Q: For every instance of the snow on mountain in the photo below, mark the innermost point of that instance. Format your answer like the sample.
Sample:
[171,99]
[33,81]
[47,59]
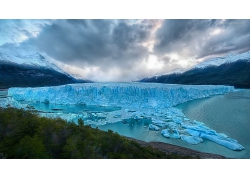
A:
[223,60]
[174,71]
[31,59]
[210,62]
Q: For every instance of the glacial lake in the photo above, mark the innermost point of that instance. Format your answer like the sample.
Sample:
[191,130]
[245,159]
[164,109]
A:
[228,114]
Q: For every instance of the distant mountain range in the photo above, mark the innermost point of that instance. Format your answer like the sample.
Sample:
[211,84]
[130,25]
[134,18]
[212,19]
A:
[31,70]
[229,70]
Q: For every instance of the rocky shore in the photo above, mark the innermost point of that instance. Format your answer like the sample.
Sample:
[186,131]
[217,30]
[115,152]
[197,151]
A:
[173,149]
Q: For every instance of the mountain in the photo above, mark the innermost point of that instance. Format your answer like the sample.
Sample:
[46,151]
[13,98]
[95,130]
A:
[79,78]
[224,60]
[229,70]
[30,70]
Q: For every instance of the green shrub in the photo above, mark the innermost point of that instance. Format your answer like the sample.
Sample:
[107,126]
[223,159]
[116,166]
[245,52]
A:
[23,134]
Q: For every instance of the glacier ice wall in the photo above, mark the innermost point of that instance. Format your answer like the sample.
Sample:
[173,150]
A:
[139,95]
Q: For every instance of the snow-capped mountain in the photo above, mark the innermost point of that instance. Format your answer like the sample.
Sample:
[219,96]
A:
[30,69]
[224,60]
[31,59]
[229,70]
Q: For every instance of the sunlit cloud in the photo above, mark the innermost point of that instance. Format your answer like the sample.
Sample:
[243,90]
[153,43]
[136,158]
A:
[216,32]
[154,63]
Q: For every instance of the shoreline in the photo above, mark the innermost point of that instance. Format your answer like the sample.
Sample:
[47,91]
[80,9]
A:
[174,149]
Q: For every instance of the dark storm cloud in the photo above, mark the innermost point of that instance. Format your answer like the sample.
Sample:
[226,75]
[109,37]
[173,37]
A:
[125,35]
[195,38]
[234,38]
[94,42]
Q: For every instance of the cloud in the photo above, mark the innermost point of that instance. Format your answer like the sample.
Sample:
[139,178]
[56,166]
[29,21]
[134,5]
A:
[122,50]
[101,43]
[16,31]
[201,38]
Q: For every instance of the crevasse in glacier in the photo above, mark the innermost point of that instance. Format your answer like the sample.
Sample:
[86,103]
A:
[137,101]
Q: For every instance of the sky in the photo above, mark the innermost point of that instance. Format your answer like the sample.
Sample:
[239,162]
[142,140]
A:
[126,50]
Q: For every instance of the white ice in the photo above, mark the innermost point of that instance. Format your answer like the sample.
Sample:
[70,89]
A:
[191,139]
[127,95]
[153,127]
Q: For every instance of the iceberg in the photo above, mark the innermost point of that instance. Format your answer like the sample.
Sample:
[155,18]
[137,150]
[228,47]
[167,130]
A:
[174,134]
[165,133]
[153,127]
[191,139]
[206,133]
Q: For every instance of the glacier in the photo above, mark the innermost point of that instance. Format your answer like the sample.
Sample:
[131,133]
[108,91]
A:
[135,101]
[127,95]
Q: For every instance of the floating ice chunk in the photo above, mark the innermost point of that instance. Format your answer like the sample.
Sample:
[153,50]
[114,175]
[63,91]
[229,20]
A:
[175,134]
[177,120]
[167,133]
[222,139]
[223,135]
[193,132]
[191,139]
[4,102]
[153,127]
[160,124]
[158,121]
[172,125]
[198,123]
[227,142]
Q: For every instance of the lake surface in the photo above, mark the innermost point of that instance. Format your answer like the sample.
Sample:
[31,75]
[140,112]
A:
[3,93]
[228,114]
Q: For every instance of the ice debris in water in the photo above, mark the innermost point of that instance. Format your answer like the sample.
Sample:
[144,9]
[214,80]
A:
[191,139]
[137,101]
[193,132]
[168,134]
[153,127]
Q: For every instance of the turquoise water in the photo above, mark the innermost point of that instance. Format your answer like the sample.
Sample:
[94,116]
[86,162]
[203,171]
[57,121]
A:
[72,108]
[228,114]
[3,94]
